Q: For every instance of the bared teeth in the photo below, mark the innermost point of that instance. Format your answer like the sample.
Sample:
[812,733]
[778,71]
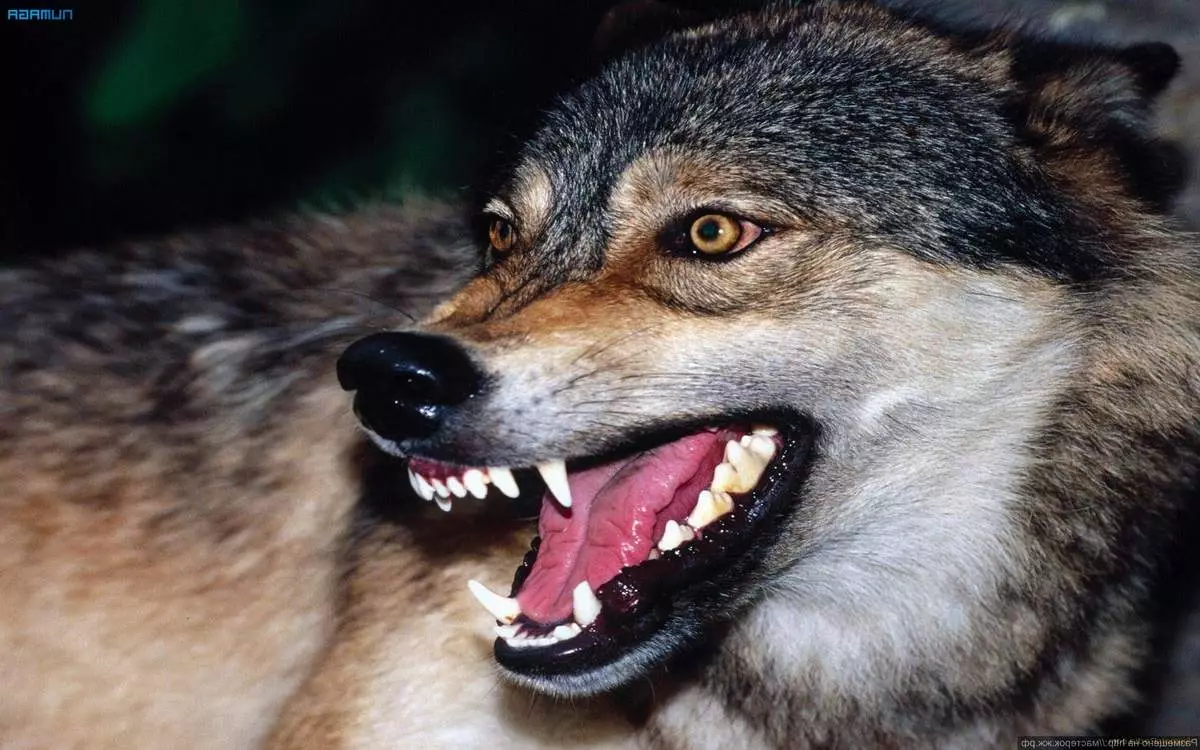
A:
[504,481]
[507,631]
[566,632]
[743,466]
[675,534]
[516,637]
[420,486]
[456,487]
[554,474]
[503,608]
[726,479]
[475,481]
[439,488]
[585,605]
[709,507]
[763,447]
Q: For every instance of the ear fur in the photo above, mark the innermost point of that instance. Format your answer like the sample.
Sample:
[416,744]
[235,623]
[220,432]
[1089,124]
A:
[1082,99]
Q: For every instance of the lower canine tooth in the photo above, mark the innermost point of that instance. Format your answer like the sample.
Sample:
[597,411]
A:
[502,608]
[503,479]
[566,632]
[585,605]
[443,502]
[474,481]
[456,487]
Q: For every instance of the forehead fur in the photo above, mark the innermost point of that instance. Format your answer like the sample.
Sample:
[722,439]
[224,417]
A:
[844,112]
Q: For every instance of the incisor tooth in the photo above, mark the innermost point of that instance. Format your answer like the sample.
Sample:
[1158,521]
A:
[554,474]
[456,487]
[762,429]
[709,507]
[566,632]
[503,479]
[502,608]
[475,483]
[423,488]
[507,631]
[439,488]
[585,605]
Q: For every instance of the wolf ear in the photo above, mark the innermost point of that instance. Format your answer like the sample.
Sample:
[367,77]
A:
[1077,100]
[636,23]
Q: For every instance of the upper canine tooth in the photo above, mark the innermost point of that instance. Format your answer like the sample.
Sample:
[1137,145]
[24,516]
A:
[503,479]
[709,507]
[423,488]
[502,608]
[456,487]
[554,474]
[475,483]
[585,605]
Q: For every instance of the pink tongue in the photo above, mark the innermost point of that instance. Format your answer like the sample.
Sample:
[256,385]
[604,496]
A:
[612,521]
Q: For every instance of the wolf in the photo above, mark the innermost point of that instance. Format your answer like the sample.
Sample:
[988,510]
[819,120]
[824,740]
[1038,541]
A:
[847,361]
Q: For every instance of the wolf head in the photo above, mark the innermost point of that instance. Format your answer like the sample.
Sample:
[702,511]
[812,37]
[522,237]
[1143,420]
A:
[789,308]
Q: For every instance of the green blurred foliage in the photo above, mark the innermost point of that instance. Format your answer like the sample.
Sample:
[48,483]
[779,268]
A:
[168,48]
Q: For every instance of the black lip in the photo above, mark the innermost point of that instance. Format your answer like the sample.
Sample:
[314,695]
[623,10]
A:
[640,600]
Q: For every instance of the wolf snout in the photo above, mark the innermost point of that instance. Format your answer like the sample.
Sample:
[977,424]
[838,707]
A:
[406,384]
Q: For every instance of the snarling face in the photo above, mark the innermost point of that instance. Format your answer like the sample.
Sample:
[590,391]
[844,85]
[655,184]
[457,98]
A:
[728,294]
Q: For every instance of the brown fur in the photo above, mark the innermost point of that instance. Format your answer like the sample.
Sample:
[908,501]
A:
[184,533]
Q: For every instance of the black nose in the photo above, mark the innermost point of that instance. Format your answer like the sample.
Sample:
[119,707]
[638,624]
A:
[406,383]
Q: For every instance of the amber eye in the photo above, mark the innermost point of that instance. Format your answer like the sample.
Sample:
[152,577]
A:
[713,234]
[502,235]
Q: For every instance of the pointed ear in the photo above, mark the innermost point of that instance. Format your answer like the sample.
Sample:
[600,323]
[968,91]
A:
[1095,105]
[636,23]
[1153,64]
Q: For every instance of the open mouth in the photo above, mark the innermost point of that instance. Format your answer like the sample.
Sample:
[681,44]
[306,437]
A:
[621,541]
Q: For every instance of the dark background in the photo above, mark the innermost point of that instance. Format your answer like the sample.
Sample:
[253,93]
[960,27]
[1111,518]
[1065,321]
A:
[148,116]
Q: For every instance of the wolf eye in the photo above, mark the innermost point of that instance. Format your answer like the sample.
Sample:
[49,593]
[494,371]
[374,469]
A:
[502,235]
[717,234]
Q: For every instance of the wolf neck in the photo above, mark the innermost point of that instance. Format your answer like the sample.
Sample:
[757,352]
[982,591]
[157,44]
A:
[955,546]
